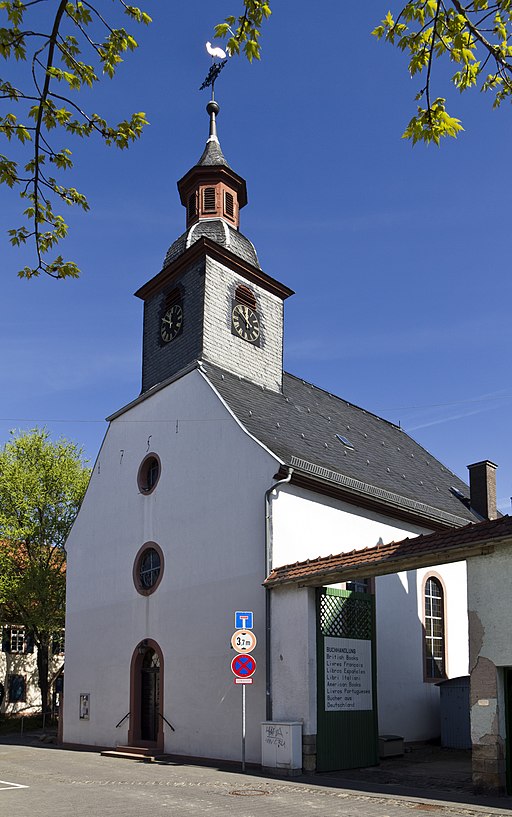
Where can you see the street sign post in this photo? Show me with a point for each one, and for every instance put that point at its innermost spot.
(243, 665)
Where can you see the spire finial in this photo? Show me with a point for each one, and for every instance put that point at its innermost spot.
(213, 109)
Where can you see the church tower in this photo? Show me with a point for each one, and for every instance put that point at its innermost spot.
(212, 301)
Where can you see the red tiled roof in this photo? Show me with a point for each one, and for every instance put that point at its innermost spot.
(420, 551)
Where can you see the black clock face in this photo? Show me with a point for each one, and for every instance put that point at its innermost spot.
(245, 323)
(172, 323)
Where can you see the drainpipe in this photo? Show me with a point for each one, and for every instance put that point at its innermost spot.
(268, 568)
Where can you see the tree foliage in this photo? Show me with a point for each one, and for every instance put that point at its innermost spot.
(246, 33)
(42, 484)
(48, 106)
(80, 42)
(475, 37)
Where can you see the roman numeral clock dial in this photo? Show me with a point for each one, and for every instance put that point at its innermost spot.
(171, 323)
(245, 323)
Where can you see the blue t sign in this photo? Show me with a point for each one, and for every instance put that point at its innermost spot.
(243, 620)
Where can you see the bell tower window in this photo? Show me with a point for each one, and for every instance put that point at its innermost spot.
(229, 204)
(209, 200)
(243, 295)
(192, 205)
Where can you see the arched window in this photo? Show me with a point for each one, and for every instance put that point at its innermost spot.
(435, 663)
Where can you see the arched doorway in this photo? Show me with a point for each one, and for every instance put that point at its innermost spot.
(149, 695)
(146, 696)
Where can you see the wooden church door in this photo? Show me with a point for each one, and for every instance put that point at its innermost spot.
(149, 696)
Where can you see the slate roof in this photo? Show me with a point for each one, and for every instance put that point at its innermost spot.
(300, 426)
(217, 230)
(433, 548)
(212, 155)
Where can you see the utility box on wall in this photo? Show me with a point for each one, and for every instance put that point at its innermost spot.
(281, 747)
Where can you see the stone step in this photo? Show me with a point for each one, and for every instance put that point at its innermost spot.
(130, 753)
(138, 750)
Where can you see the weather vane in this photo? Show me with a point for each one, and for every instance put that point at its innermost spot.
(215, 68)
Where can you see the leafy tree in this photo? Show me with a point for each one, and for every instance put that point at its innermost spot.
(42, 484)
(475, 36)
(41, 109)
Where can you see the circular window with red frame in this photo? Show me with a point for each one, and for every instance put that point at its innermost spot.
(149, 473)
(148, 568)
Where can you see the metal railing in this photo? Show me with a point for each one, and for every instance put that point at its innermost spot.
(123, 719)
(159, 715)
(47, 714)
(167, 722)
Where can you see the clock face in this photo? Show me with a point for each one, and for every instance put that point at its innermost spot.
(172, 323)
(245, 323)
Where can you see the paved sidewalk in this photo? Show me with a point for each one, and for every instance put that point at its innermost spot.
(64, 783)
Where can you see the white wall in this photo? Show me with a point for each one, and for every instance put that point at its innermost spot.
(294, 656)
(409, 705)
(207, 515)
(306, 526)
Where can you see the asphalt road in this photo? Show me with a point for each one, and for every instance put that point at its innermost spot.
(63, 783)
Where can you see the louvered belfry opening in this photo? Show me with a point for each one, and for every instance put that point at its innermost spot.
(172, 297)
(229, 204)
(243, 295)
(192, 205)
(214, 200)
(209, 200)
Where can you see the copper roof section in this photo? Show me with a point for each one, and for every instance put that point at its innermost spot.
(421, 551)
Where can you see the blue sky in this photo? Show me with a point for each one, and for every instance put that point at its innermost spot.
(399, 256)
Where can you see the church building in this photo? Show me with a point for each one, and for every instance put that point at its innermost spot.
(223, 469)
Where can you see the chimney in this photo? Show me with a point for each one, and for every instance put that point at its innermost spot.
(482, 488)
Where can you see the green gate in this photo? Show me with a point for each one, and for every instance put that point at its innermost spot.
(347, 731)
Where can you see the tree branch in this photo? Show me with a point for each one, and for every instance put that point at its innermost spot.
(493, 49)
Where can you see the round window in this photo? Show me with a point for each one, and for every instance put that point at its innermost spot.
(149, 473)
(148, 568)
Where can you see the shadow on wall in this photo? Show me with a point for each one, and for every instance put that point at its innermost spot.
(408, 704)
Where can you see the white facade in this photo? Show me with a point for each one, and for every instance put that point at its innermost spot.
(207, 515)
(204, 516)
